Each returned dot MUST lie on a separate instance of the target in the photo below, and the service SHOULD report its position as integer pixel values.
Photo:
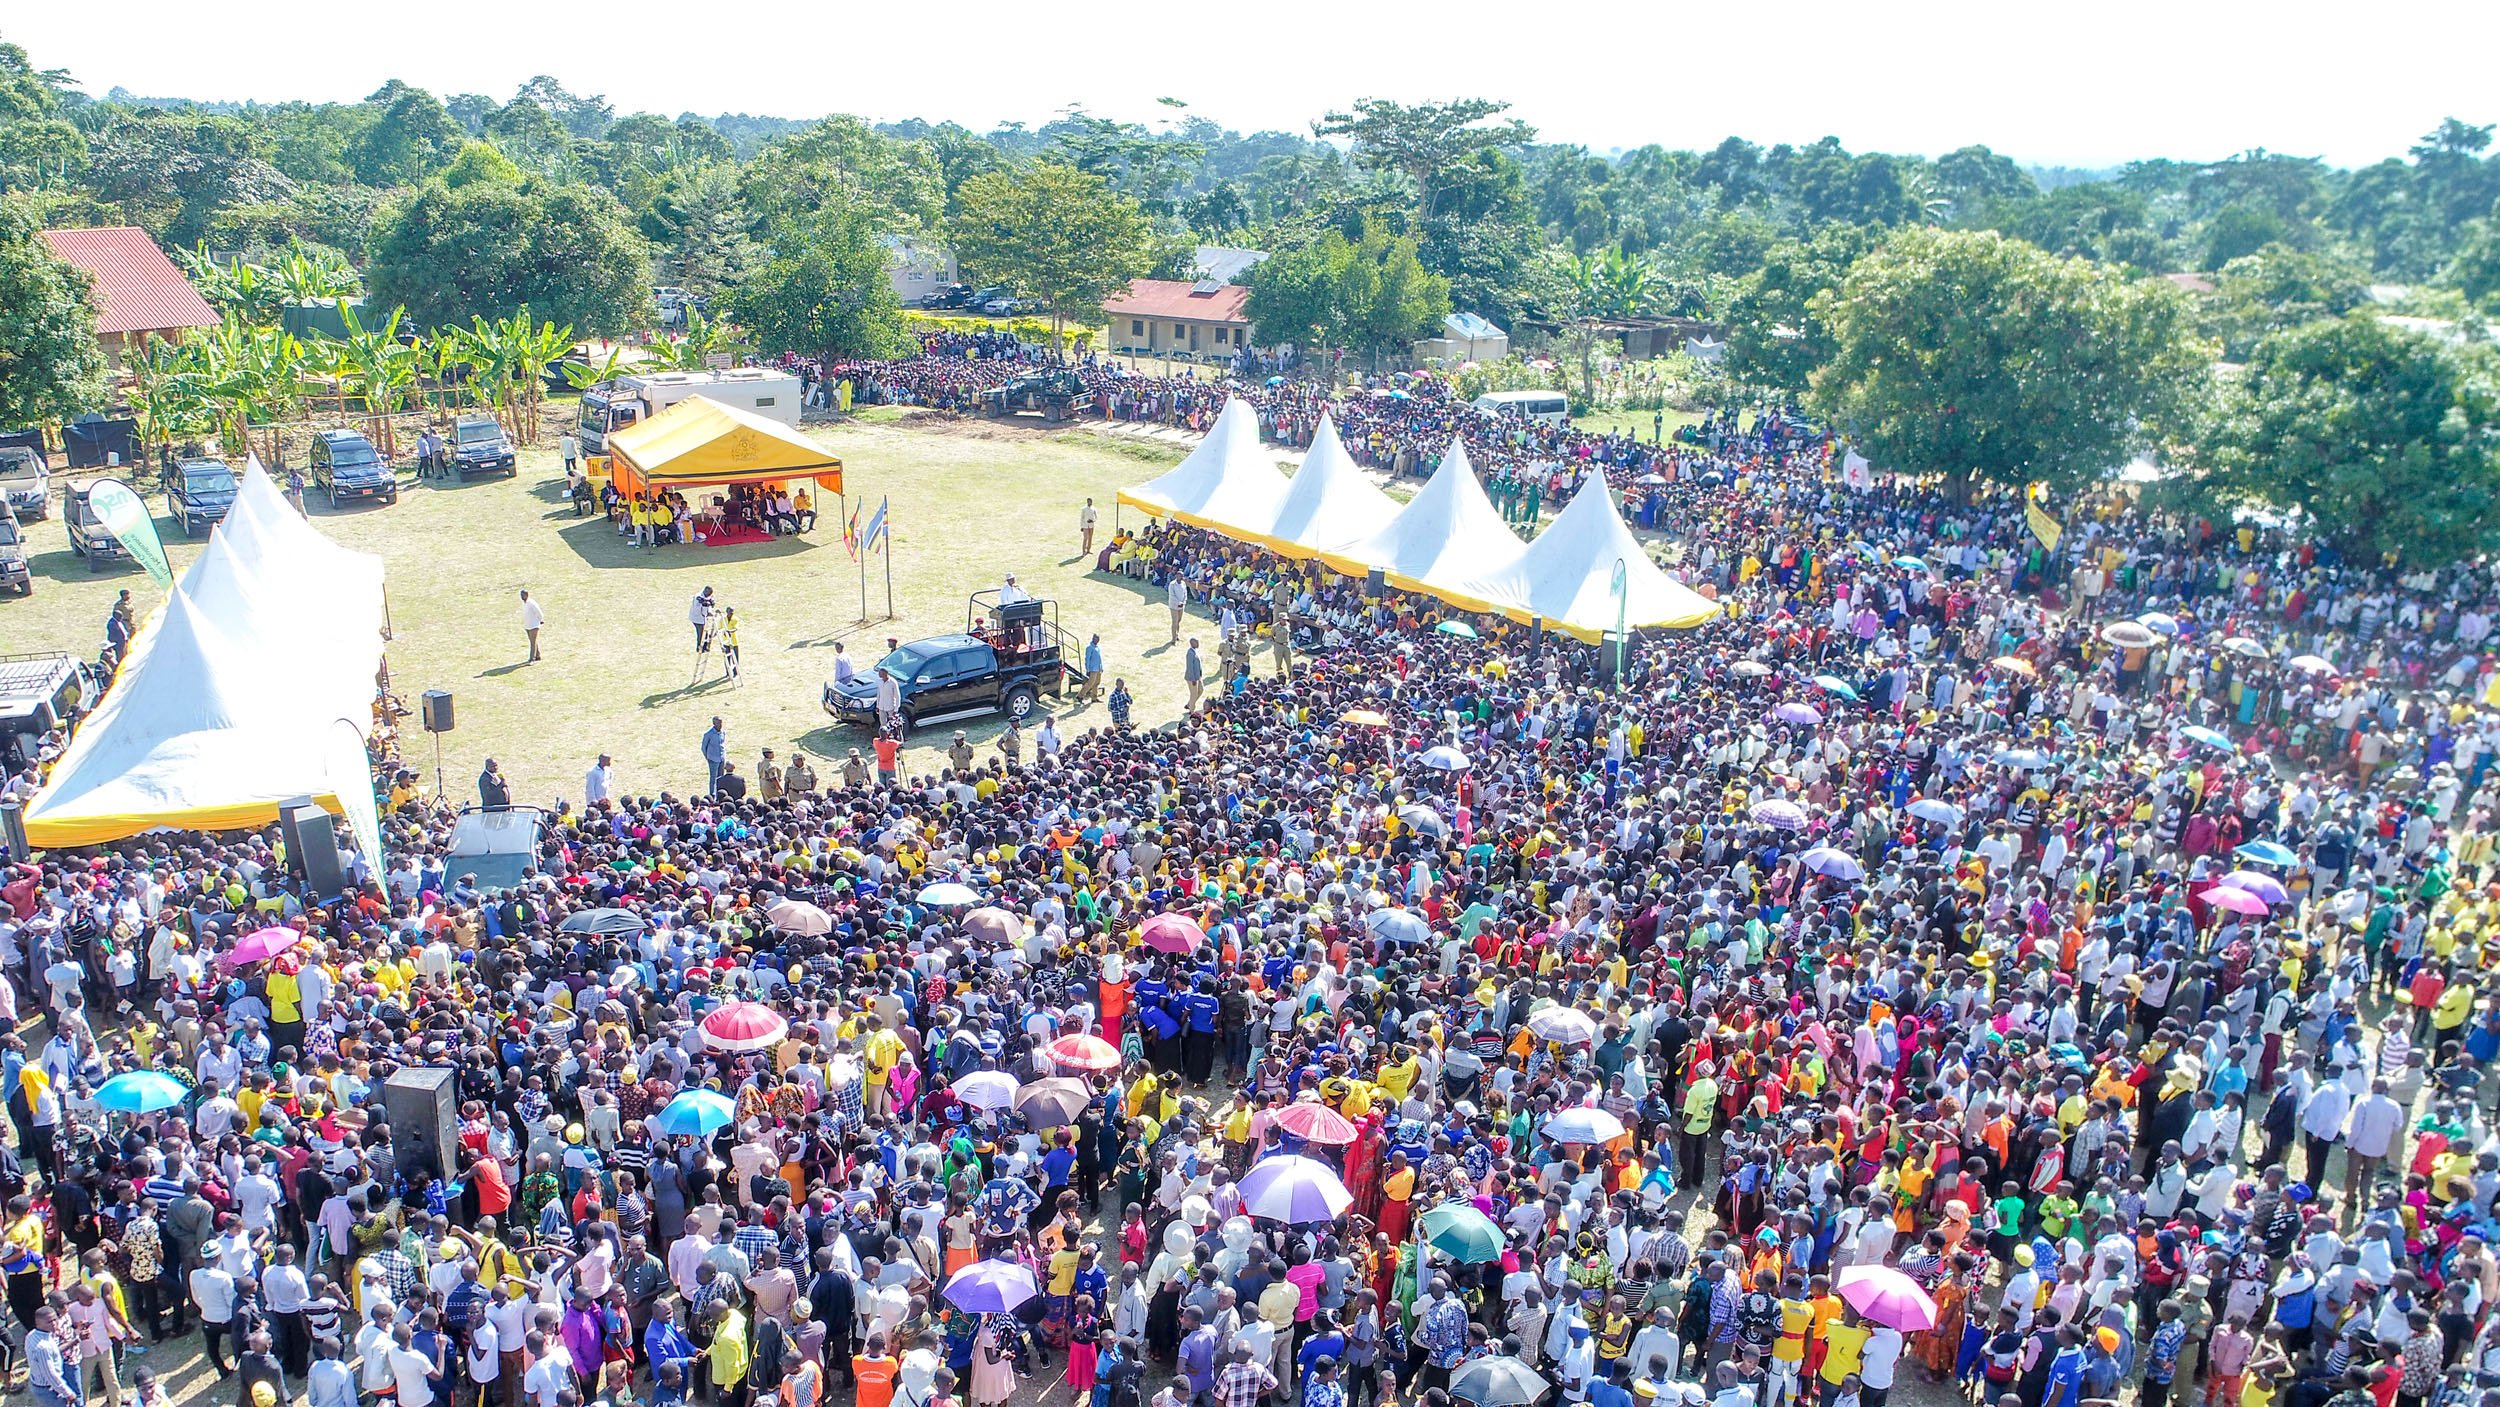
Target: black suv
(198, 492)
(479, 447)
(346, 467)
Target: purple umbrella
(991, 1287)
(1803, 713)
(1780, 815)
(1295, 1190)
(2264, 886)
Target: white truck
(612, 405)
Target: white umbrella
(1397, 925)
(948, 894)
(1444, 758)
(987, 1089)
(1936, 811)
(1564, 1025)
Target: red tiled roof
(137, 288)
(1170, 298)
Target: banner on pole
(2043, 527)
(125, 515)
(876, 529)
(850, 531)
(1856, 472)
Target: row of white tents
(1448, 541)
(251, 686)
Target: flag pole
(885, 540)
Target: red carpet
(736, 537)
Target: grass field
(970, 503)
(1633, 422)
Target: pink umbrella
(2264, 886)
(1317, 1123)
(2238, 901)
(1883, 1295)
(1172, 933)
(260, 946)
(1083, 1052)
(744, 1026)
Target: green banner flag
(125, 515)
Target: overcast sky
(2078, 85)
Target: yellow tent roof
(700, 441)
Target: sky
(2090, 85)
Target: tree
(410, 138)
(1425, 140)
(1975, 356)
(1775, 336)
(1057, 235)
(2385, 436)
(488, 249)
(824, 292)
(1593, 290)
(2475, 271)
(51, 367)
(36, 142)
(481, 162)
(1335, 291)
(2276, 288)
(375, 365)
(844, 162)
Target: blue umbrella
(2267, 852)
(2209, 737)
(141, 1092)
(694, 1114)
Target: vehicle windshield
(17, 466)
(8, 530)
(905, 662)
(347, 454)
(207, 479)
(478, 433)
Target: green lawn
(970, 503)
(1634, 422)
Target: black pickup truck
(1009, 656)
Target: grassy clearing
(1633, 422)
(970, 503)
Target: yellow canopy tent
(700, 441)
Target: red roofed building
(1168, 318)
(137, 289)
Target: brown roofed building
(138, 290)
(1168, 318)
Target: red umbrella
(1172, 933)
(1083, 1052)
(1316, 1123)
(744, 1026)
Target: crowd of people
(2047, 976)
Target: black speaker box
(435, 704)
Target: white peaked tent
(1566, 576)
(1228, 478)
(1328, 504)
(251, 685)
(1448, 541)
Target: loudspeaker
(435, 705)
(312, 846)
(424, 1126)
(1375, 584)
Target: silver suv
(26, 481)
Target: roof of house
(1204, 301)
(1224, 264)
(137, 288)
(2190, 283)
(1470, 326)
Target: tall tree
(1059, 236)
(490, 248)
(2388, 438)
(50, 365)
(411, 137)
(1776, 334)
(1335, 291)
(844, 162)
(36, 142)
(824, 292)
(1425, 140)
(1975, 356)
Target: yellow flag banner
(2043, 527)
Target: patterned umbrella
(1780, 815)
(1295, 1190)
(1083, 1052)
(744, 1026)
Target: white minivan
(1544, 407)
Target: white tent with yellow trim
(1448, 541)
(1227, 479)
(253, 684)
(1566, 576)
(1328, 504)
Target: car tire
(334, 498)
(1020, 702)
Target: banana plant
(168, 393)
(703, 339)
(304, 274)
(530, 348)
(584, 374)
(377, 366)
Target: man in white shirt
(597, 781)
(531, 619)
(551, 1371)
(213, 1295)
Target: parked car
(88, 537)
(14, 575)
(26, 481)
(346, 466)
(953, 295)
(1001, 307)
(499, 847)
(1009, 654)
(197, 493)
(479, 447)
